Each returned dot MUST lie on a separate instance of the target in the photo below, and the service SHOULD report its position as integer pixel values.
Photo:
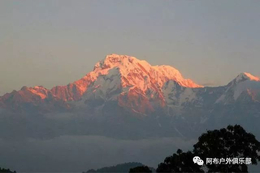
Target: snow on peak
(133, 80)
(130, 71)
(132, 67)
(246, 76)
(37, 90)
(115, 60)
(243, 82)
(40, 91)
(251, 77)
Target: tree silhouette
(6, 170)
(125, 167)
(231, 142)
(140, 169)
(180, 162)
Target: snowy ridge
(136, 85)
(130, 65)
(251, 77)
(243, 83)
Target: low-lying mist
(81, 153)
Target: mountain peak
(251, 77)
(131, 78)
(118, 57)
(247, 76)
(130, 65)
(115, 60)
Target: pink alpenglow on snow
(132, 82)
(251, 77)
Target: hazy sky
(54, 42)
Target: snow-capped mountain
(243, 84)
(123, 92)
(134, 83)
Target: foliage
(140, 169)
(230, 142)
(125, 167)
(180, 162)
(6, 170)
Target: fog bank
(80, 153)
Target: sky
(55, 42)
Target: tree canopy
(140, 169)
(227, 143)
(180, 162)
(6, 170)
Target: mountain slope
(127, 98)
(134, 83)
(243, 84)
(133, 72)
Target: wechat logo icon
(198, 160)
